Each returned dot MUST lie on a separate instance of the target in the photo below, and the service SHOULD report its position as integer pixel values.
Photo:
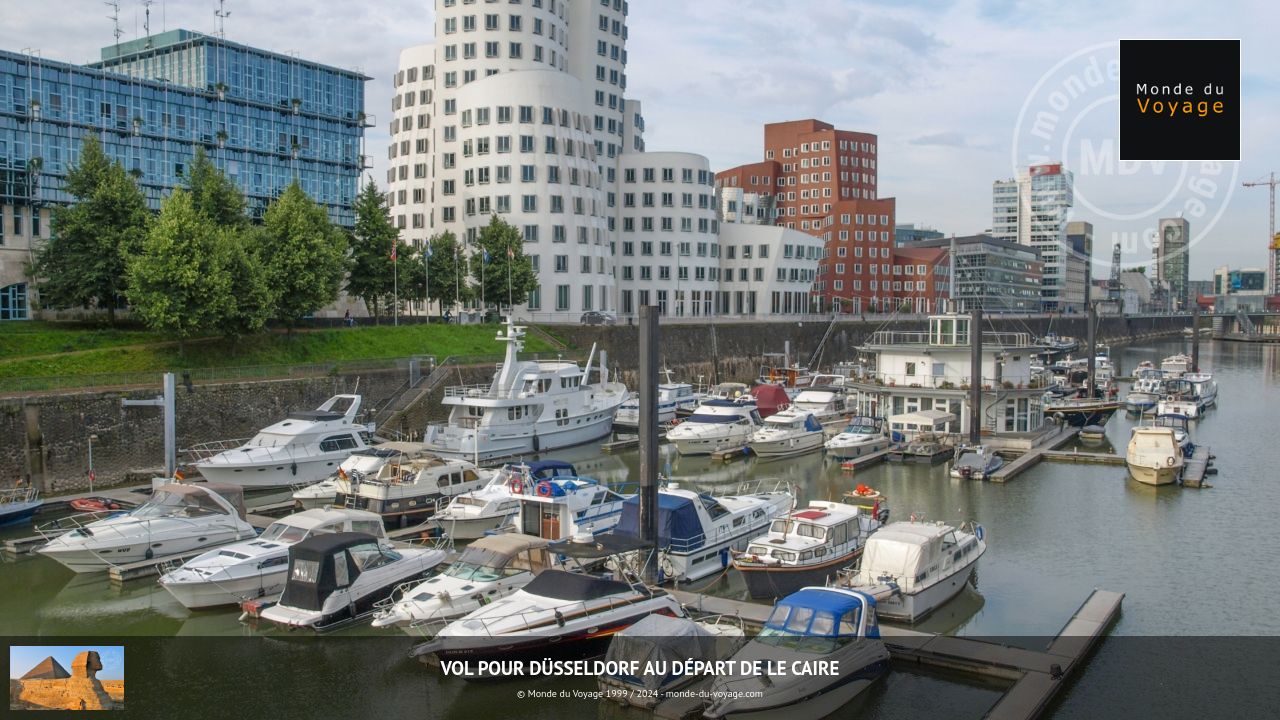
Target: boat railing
(478, 390)
(81, 521)
(205, 450)
(11, 496)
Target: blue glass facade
(264, 118)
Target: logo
(1180, 99)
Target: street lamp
(92, 437)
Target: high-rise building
(1080, 243)
(264, 118)
(1032, 209)
(822, 181)
(1172, 260)
(992, 274)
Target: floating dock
(1031, 457)
(1197, 467)
(626, 443)
(1035, 676)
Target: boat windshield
(283, 532)
(167, 504)
(710, 419)
(802, 529)
(808, 630)
(861, 428)
(481, 565)
(266, 439)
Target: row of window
(649, 175)
(668, 200)
(667, 224)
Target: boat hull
(1155, 475)
(910, 608)
(548, 438)
(277, 473)
(19, 512)
(578, 643)
(767, 582)
(848, 452)
(787, 446)
(708, 444)
(197, 595)
(470, 528)
(1079, 417)
(87, 559)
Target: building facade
(991, 274)
(1173, 260)
(1033, 209)
(264, 118)
(907, 234)
(766, 269)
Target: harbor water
(1054, 533)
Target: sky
(942, 82)
(24, 657)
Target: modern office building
(1173, 260)
(264, 118)
(992, 274)
(1080, 241)
(1032, 209)
(823, 181)
(907, 234)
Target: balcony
(920, 338)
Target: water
(1054, 534)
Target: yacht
(862, 436)
(305, 447)
(258, 567)
(410, 492)
(673, 399)
(715, 426)
(361, 464)
(1145, 392)
(815, 624)
(178, 518)
(806, 547)
(18, 504)
(828, 403)
(697, 533)
(555, 503)
(912, 568)
(1203, 387)
(662, 638)
(473, 514)
(559, 613)
(790, 432)
(1153, 456)
(335, 579)
(1181, 399)
(488, 569)
(531, 406)
(1175, 365)
(975, 462)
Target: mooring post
(648, 377)
(975, 370)
(1092, 319)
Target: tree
(178, 282)
(371, 273)
(213, 194)
(448, 275)
(84, 262)
(504, 247)
(303, 253)
(252, 300)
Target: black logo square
(1179, 99)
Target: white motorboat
(179, 518)
(975, 462)
(697, 533)
(362, 463)
(1203, 388)
(555, 503)
(816, 624)
(18, 504)
(489, 569)
(472, 514)
(407, 492)
(715, 426)
(531, 406)
(654, 643)
(912, 568)
(673, 398)
(806, 547)
(1153, 456)
(862, 436)
(789, 432)
(336, 578)
(258, 567)
(1175, 365)
(1181, 398)
(1145, 392)
(1181, 431)
(305, 447)
(558, 614)
(829, 403)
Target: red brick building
(823, 181)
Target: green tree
(213, 194)
(504, 246)
(304, 255)
(252, 300)
(371, 273)
(84, 262)
(447, 270)
(178, 282)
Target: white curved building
(411, 168)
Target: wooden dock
(1032, 457)
(731, 454)
(1197, 467)
(626, 443)
(1036, 676)
(1083, 457)
(875, 458)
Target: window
(562, 297)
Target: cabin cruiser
(258, 567)
(790, 432)
(664, 639)
(531, 406)
(178, 518)
(812, 625)
(1153, 456)
(335, 579)
(715, 426)
(488, 569)
(409, 492)
(1145, 392)
(555, 503)
(1175, 365)
(1080, 411)
(361, 464)
(862, 436)
(975, 462)
(698, 532)
(305, 447)
(18, 504)
(912, 568)
(1181, 398)
(1181, 431)
(806, 547)
(1203, 387)
(673, 399)
(828, 403)
(473, 514)
(1058, 345)
(559, 613)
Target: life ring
(516, 484)
(1171, 460)
(1170, 398)
(543, 489)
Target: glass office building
(264, 118)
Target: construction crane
(1273, 247)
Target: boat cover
(819, 611)
(563, 585)
(677, 519)
(198, 494)
(544, 469)
(770, 398)
(315, 565)
(668, 640)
